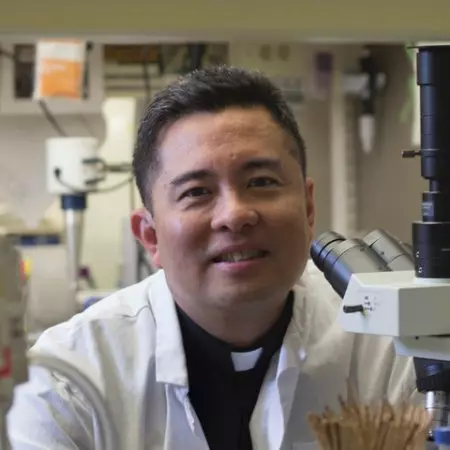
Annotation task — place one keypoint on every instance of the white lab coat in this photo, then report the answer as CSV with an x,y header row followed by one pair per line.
x,y
133,340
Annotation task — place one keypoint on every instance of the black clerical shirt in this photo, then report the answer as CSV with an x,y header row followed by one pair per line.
x,y
222,394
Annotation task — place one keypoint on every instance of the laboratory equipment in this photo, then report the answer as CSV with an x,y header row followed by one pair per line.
x,y
366,85
14,358
386,288
74,170
13,362
69,176
49,299
442,438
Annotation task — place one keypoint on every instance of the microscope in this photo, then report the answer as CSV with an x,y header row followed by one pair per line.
x,y
391,288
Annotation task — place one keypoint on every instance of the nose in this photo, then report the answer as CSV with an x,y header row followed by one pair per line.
x,y
232,213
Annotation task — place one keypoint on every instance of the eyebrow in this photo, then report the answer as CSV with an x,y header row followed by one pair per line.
x,y
262,163
252,164
192,175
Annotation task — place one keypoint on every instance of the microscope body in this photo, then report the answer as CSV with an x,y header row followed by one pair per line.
x,y
415,312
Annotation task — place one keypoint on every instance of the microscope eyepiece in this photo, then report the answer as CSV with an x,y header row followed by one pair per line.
x,y
323,245
339,258
396,254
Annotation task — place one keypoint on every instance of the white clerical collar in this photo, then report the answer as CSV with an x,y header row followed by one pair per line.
x,y
245,360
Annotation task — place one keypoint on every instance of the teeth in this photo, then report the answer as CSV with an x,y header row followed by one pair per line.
x,y
241,256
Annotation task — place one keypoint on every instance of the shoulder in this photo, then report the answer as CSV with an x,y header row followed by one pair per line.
x,y
316,289
317,304
105,332
375,370
113,344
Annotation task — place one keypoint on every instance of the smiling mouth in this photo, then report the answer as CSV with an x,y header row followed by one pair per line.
x,y
235,257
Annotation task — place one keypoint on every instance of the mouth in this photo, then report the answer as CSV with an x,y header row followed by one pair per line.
x,y
237,257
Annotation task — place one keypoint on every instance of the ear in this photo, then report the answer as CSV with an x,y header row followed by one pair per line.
x,y
310,206
143,229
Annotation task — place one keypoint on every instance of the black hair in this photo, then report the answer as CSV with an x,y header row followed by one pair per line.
x,y
211,89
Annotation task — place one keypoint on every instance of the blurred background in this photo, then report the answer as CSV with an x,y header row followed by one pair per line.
x,y
346,68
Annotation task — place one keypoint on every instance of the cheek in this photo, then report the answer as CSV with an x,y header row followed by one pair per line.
x,y
290,225
293,236
289,215
179,238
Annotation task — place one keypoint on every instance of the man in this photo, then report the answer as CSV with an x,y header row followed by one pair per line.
x,y
235,340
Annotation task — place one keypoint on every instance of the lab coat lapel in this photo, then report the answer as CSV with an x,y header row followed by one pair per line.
x,y
272,410
183,430
310,372
169,352
323,378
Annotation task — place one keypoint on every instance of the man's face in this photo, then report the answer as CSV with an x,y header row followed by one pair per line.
x,y
232,214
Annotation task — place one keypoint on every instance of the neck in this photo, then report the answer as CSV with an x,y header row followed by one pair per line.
x,y
239,327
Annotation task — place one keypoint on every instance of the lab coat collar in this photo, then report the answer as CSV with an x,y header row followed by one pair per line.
x,y
309,319
170,359
298,380
169,353
281,381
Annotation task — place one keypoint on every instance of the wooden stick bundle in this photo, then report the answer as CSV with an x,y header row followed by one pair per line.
x,y
377,427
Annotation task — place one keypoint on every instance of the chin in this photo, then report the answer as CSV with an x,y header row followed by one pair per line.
x,y
235,296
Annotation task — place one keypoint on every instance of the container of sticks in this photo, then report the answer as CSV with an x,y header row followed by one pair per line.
x,y
374,427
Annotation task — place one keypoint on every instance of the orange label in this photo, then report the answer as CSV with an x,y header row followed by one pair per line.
x,y
60,69
59,78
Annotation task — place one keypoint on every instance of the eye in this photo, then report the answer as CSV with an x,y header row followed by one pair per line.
x,y
263,182
195,192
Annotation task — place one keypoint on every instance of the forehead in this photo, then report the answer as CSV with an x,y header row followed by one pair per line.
x,y
223,138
